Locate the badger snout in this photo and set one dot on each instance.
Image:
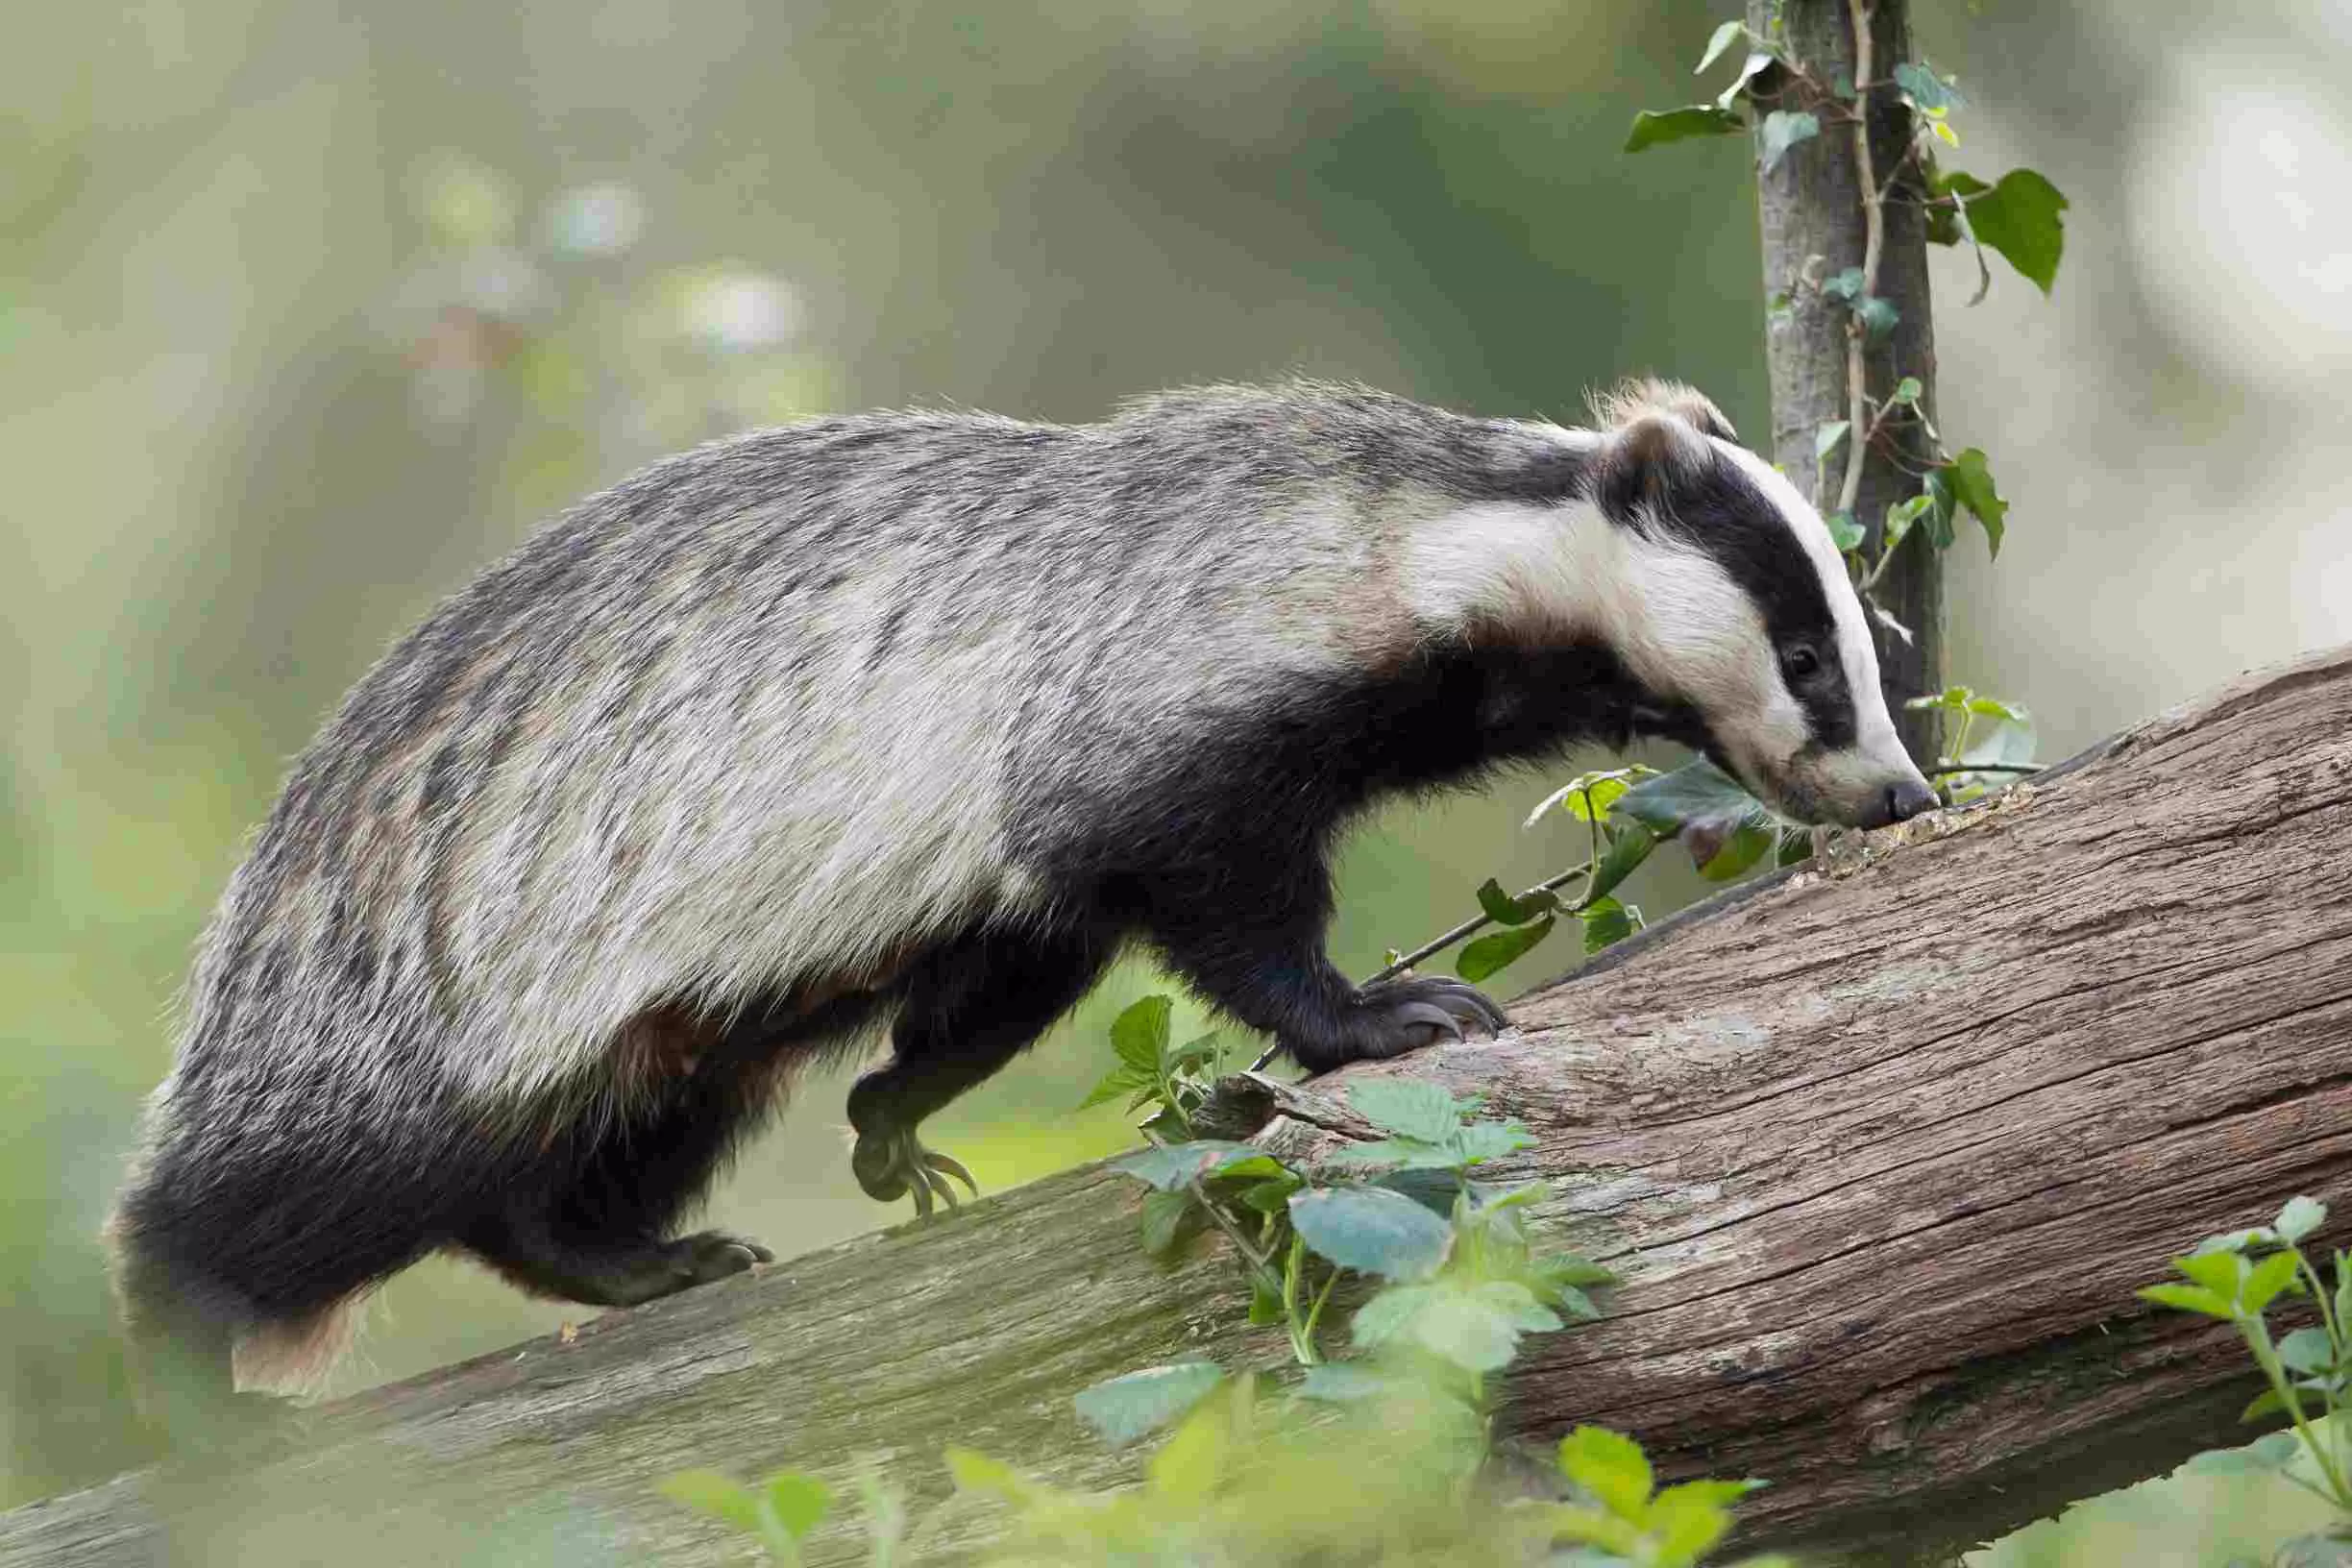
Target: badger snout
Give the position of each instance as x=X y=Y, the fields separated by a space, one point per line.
x=1896 y=802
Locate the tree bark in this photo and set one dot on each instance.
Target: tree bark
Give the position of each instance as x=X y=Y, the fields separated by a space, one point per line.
x=1814 y=228
x=1880 y=1150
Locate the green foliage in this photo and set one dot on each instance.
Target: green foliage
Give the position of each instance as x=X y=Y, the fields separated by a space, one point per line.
x=1653 y=128
x=778 y=1512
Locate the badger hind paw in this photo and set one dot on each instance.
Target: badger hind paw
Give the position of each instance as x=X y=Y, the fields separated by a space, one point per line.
x=1393 y=1016
x=891 y=1163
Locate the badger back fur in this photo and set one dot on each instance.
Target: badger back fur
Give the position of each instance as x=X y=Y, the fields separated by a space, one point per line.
x=912 y=720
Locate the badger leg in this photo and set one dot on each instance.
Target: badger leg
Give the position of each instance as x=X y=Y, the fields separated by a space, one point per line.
x=970 y=1008
x=596 y=1226
x=1247 y=927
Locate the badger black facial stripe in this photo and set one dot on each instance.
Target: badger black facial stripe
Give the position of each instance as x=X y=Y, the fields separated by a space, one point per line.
x=1719 y=512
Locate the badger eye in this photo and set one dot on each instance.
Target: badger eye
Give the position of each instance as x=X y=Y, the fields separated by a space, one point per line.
x=1801 y=662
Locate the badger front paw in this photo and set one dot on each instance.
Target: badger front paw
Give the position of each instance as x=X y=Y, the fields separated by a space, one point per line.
x=1392 y=1017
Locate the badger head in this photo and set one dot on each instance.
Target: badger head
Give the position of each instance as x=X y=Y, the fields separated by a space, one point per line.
x=1732 y=611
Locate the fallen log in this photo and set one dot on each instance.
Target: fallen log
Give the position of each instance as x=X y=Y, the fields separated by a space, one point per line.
x=1880 y=1149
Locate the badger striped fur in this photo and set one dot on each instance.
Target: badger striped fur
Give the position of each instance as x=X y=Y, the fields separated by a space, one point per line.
x=912 y=722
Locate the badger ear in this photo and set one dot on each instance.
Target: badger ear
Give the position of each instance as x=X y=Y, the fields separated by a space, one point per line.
x=1642 y=461
x=1630 y=401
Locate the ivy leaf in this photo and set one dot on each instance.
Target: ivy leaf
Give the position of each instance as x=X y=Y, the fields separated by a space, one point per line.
x=2020 y=216
x=1844 y=531
x=1907 y=390
x=2299 y=1219
x=1503 y=909
x=1655 y=128
x=1784 y=128
x=1925 y=89
x=1709 y=810
x=1900 y=515
x=1612 y=1468
x=1140 y=1033
x=1124 y=1409
x=1725 y=36
x=1407 y=1107
x=1169 y=1166
x=1605 y=924
x=1972 y=485
x=1844 y=285
x=1628 y=844
x=1371 y=1230
x=1758 y=60
x=1878 y=316
x=1826 y=439
x=1491 y=953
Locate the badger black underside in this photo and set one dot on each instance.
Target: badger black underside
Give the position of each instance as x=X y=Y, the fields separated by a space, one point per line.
x=1218 y=855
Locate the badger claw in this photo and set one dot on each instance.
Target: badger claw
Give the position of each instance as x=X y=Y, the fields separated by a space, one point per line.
x=1408 y=1014
x=892 y=1164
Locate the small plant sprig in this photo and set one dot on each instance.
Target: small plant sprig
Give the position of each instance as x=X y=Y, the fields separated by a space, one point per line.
x=2238 y=1278
x=1463 y=1281
x=2020 y=216
x=1970 y=762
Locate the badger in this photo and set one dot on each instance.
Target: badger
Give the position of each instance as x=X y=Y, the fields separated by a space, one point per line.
x=913 y=722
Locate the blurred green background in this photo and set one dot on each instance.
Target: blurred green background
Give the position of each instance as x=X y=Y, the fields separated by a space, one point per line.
x=308 y=310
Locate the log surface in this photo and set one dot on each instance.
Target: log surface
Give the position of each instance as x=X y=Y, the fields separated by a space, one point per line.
x=1880 y=1150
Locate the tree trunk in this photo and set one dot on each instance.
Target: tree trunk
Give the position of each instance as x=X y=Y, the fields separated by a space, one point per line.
x=1814 y=228
x=1880 y=1150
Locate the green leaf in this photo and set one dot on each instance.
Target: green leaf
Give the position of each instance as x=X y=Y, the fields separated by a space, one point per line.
x=975 y=1472
x=2220 y=1272
x=797 y=1502
x=1972 y=485
x=2299 y=1219
x=1484 y=1140
x=1189 y=1464
x=1169 y=1222
x=2275 y=1451
x=1604 y=787
x=2266 y=1404
x=1605 y=924
x=1844 y=285
x=1698 y=792
x=1121 y=1082
x=1655 y=128
x=1907 y=390
x=2020 y=216
x=1407 y=1107
x=1168 y=1166
x=708 y=1492
x=1127 y=1407
x=1750 y=69
x=1826 y=439
x=1743 y=846
x=1272 y=1196
x=1490 y=953
x=1844 y=531
x=2266 y=1280
x=1141 y=1033
x=1900 y=516
x=1371 y=1230
x=1476 y=1327
x=1199 y=1048
x=1609 y=1466
x=2188 y=1298
x=1503 y=909
x=1992 y=707
x=1784 y=128
x=1628 y=844
x=1725 y=36
x=1928 y=90
x=1686 y=1525
x=2308 y=1350
x=1878 y=316
x=1397 y=1153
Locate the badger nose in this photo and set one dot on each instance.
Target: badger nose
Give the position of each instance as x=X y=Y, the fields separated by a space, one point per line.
x=1907 y=799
